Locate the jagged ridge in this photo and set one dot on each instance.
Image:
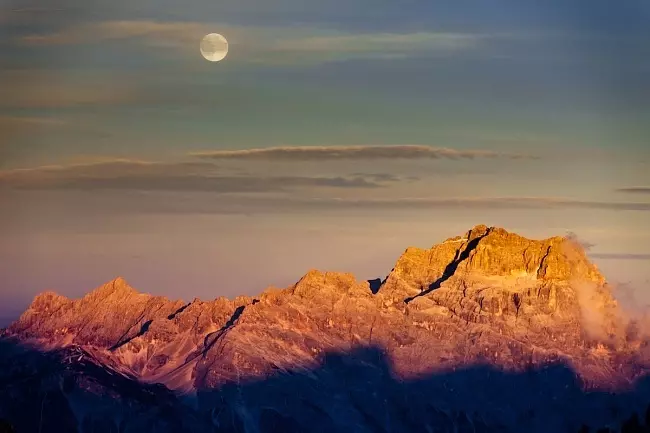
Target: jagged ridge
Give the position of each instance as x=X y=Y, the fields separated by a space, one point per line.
x=489 y=296
x=514 y=285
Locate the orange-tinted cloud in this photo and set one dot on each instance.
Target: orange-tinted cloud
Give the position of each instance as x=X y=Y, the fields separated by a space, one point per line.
x=317 y=153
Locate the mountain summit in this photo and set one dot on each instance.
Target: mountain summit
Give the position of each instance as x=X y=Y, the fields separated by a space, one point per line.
x=488 y=300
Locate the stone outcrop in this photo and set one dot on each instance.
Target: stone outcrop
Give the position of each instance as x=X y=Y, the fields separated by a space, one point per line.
x=496 y=252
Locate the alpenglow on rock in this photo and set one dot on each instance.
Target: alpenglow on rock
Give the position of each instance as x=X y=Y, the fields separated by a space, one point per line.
x=453 y=335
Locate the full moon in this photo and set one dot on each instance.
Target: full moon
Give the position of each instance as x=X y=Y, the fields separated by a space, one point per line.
x=214 y=47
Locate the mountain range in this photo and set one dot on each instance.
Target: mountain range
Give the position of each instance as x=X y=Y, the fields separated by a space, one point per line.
x=485 y=332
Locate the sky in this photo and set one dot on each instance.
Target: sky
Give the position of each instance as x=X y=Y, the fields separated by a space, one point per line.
x=333 y=136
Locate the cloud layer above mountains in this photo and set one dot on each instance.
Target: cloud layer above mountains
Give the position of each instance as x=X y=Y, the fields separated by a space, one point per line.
x=299 y=153
x=323 y=187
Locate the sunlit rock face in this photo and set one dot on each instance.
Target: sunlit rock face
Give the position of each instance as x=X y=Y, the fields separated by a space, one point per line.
x=482 y=329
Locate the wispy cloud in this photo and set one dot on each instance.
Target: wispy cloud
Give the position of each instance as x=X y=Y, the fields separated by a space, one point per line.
x=200 y=202
x=378 y=45
x=241 y=191
x=162 y=32
x=387 y=177
x=635 y=190
x=195 y=176
x=583 y=243
x=263 y=44
x=475 y=202
x=317 y=153
x=620 y=256
x=191 y=187
x=27 y=14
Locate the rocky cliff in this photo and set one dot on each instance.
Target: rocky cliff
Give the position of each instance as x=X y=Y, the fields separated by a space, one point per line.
x=488 y=299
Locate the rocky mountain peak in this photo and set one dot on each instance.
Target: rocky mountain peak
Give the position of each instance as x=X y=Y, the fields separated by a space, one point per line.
x=478 y=232
x=118 y=287
x=47 y=301
x=495 y=252
x=317 y=284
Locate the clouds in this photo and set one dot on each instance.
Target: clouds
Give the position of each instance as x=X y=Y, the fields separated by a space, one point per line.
x=329 y=185
x=547 y=203
x=271 y=45
x=635 y=190
x=191 y=176
x=317 y=153
x=257 y=192
x=588 y=246
x=620 y=256
x=161 y=32
x=379 y=45
x=201 y=202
